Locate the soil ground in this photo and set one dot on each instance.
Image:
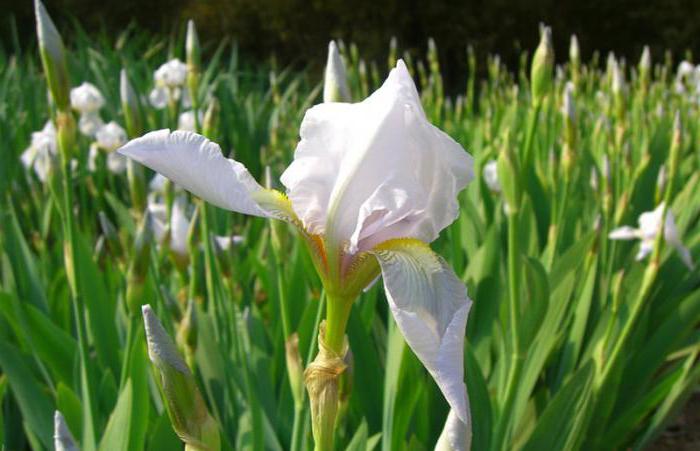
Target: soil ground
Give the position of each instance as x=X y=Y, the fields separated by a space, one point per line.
x=683 y=434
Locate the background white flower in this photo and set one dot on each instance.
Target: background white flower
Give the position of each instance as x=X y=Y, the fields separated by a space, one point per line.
x=186 y=120
x=86 y=98
x=41 y=151
x=649 y=226
x=490 y=173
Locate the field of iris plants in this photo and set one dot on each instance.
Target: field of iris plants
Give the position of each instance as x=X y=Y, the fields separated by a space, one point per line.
x=289 y=270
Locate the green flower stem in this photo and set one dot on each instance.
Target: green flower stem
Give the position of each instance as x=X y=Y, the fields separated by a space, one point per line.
x=529 y=138
x=73 y=273
x=504 y=424
x=337 y=315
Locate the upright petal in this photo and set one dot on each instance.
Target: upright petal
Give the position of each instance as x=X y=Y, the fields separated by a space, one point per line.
x=430 y=306
x=197 y=164
x=370 y=171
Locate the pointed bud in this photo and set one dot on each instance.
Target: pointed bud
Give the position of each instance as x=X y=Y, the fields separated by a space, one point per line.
x=138 y=267
x=335 y=83
x=53 y=57
x=130 y=106
x=645 y=60
x=661 y=181
x=542 y=66
x=194 y=62
x=568 y=107
x=210 y=123
x=187 y=332
x=186 y=408
x=109 y=232
x=393 y=52
x=62 y=438
x=295 y=368
x=509 y=177
x=574 y=52
x=674 y=155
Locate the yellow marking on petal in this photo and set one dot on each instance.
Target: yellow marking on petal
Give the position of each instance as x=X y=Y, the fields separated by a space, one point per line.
x=416 y=248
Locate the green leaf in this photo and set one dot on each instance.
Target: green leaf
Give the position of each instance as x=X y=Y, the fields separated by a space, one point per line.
x=24 y=267
x=481 y=410
x=556 y=427
x=37 y=409
x=117 y=433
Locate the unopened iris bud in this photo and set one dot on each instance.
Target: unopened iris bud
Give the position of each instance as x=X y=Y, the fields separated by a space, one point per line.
x=645 y=68
x=130 y=106
x=53 y=57
x=569 y=113
x=661 y=182
x=618 y=91
x=187 y=332
x=542 y=66
x=295 y=369
x=335 y=83
x=138 y=267
x=393 y=52
x=194 y=62
x=62 y=438
x=109 y=232
x=186 y=408
x=674 y=154
x=574 y=54
x=210 y=123
x=66 y=132
x=509 y=178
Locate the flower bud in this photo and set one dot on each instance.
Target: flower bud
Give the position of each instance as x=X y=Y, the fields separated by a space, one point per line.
x=109 y=232
x=674 y=155
x=618 y=91
x=130 y=106
x=194 y=62
x=53 y=57
x=569 y=113
x=542 y=66
x=661 y=182
x=295 y=368
x=186 y=408
x=321 y=378
x=574 y=53
x=187 y=332
x=210 y=123
x=509 y=177
x=393 y=52
x=62 y=438
x=66 y=132
x=335 y=83
x=645 y=68
x=138 y=267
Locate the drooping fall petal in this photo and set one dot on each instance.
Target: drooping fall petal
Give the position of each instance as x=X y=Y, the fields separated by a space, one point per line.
x=456 y=435
x=197 y=164
x=430 y=306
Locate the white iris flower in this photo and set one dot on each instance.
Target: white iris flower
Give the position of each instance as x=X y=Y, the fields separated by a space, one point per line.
x=371 y=184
